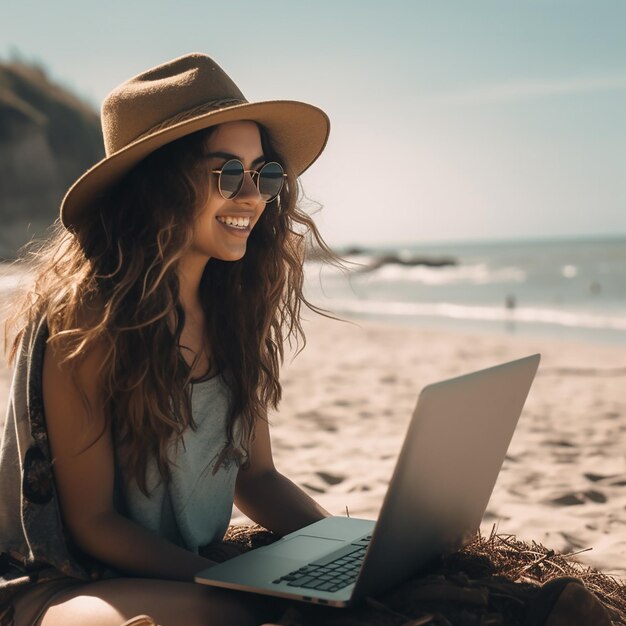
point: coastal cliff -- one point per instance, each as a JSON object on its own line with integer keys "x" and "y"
{"x": 48, "y": 138}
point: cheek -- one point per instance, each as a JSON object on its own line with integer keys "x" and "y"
{"x": 206, "y": 218}
{"x": 204, "y": 230}
{"x": 260, "y": 215}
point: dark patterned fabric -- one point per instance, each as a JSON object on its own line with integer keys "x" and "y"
{"x": 37, "y": 484}
{"x": 34, "y": 545}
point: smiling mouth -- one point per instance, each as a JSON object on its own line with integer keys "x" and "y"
{"x": 239, "y": 223}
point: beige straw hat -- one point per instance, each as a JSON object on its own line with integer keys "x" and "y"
{"x": 175, "y": 99}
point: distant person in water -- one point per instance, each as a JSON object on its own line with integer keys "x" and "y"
{"x": 147, "y": 357}
{"x": 510, "y": 302}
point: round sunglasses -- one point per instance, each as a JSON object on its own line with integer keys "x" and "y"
{"x": 269, "y": 179}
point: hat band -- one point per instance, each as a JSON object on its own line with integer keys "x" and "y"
{"x": 191, "y": 113}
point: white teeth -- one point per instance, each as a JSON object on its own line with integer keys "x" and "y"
{"x": 235, "y": 222}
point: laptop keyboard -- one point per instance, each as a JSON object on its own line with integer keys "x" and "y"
{"x": 332, "y": 572}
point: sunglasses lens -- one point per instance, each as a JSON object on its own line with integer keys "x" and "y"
{"x": 231, "y": 178}
{"x": 270, "y": 181}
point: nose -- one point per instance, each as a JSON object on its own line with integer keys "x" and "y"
{"x": 248, "y": 194}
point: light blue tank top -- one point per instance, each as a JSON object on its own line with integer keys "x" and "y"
{"x": 195, "y": 508}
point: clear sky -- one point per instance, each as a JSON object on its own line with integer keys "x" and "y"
{"x": 489, "y": 119}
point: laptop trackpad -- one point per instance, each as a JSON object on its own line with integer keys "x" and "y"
{"x": 305, "y": 547}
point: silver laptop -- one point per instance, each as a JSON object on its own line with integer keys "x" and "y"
{"x": 451, "y": 457}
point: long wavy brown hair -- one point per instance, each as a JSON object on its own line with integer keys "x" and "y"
{"x": 113, "y": 282}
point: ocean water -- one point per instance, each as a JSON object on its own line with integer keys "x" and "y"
{"x": 569, "y": 289}
{"x": 566, "y": 288}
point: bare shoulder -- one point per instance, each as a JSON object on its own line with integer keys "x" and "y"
{"x": 78, "y": 431}
{"x": 72, "y": 394}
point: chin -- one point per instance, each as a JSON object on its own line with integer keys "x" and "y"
{"x": 231, "y": 255}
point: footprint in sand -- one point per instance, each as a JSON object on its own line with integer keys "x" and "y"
{"x": 308, "y": 415}
{"x": 313, "y": 488}
{"x": 330, "y": 479}
{"x": 342, "y": 402}
{"x": 389, "y": 380}
{"x": 358, "y": 488}
{"x": 323, "y": 421}
{"x": 491, "y": 516}
{"x": 581, "y": 497}
{"x": 572, "y": 543}
{"x": 596, "y": 496}
{"x": 560, "y": 443}
{"x": 594, "y": 478}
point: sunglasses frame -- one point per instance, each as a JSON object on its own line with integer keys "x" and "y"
{"x": 252, "y": 175}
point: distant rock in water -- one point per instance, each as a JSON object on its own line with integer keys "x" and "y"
{"x": 375, "y": 261}
{"x": 48, "y": 138}
{"x": 394, "y": 259}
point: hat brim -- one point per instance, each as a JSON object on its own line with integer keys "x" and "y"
{"x": 299, "y": 132}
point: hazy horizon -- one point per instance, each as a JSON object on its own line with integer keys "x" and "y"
{"x": 444, "y": 243}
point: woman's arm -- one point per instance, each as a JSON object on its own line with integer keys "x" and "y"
{"x": 268, "y": 497}
{"x": 83, "y": 462}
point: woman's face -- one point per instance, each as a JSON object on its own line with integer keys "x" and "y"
{"x": 213, "y": 236}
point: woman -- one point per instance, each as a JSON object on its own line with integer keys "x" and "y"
{"x": 147, "y": 354}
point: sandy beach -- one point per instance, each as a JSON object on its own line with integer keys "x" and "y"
{"x": 349, "y": 395}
